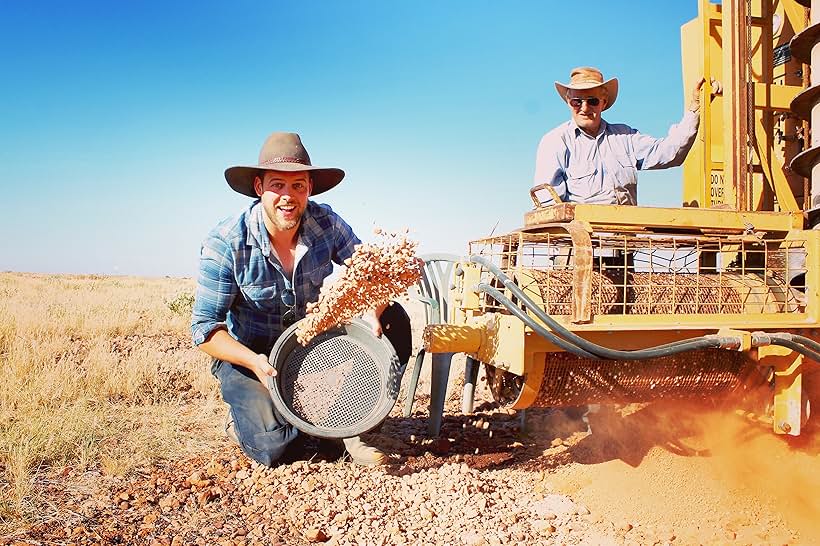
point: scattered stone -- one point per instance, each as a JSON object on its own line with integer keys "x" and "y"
{"x": 559, "y": 505}
{"x": 471, "y": 538}
{"x": 543, "y": 527}
{"x": 316, "y": 535}
{"x": 624, "y": 527}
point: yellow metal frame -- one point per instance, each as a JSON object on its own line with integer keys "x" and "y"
{"x": 603, "y": 217}
{"x": 723, "y": 169}
{"x": 788, "y": 387}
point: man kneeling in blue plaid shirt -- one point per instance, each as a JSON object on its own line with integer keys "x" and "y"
{"x": 257, "y": 272}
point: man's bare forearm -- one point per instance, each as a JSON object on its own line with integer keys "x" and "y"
{"x": 221, "y": 345}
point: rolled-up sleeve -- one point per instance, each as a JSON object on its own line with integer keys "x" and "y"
{"x": 550, "y": 167}
{"x": 670, "y": 151}
{"x": 215, "y": 291}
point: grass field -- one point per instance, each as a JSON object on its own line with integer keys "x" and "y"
{"x": 98, "y": 373}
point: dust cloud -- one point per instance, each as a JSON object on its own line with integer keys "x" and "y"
{"x": 708, "y": 472}
{"x": 783, "y": 469}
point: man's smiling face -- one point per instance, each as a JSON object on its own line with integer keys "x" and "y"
{"x": 284, "y": 197}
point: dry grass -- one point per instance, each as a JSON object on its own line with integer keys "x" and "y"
{"x": 98, "y": 373}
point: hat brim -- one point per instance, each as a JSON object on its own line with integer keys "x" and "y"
{"x": 241, "y": 177}
{"x": 610, "y": 85}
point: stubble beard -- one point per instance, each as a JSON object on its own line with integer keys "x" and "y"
{"x": 277, "y": 222}
{"x": 285, "y": 225}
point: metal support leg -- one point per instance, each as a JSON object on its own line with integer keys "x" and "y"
{"x": 788, "y": 403}
{"x": 438, "y": 391}
{"x": 470, "y": 378}
{"x": 788, "y": 387}
{"x": 413, "y": 385}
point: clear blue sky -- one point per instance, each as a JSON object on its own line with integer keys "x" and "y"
{"x": 117, "y": 119}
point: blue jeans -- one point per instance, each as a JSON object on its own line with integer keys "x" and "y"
{"x": 263, "y": 433}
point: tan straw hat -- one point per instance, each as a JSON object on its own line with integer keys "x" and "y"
{"x": 282, "y": 152}
{"x": 587, "y": 77}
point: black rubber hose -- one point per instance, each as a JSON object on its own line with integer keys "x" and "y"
{"x": 528, "y": 320}
{"x": 704, "y": 342}
{"x": 802, "y": 340}
{"x": 601, "y": 352}
{"x": 804, "y": 345}
{"x": 794, "y": 346}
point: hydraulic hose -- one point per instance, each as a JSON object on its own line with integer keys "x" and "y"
{"x": 800, "y": 344}
{"x": 526, "y": 319}
{"x": 797, "y": 347}
{"x": 803, "y": 340}
{"x": 704, "y": 342}
{"x": 599, "y": 351}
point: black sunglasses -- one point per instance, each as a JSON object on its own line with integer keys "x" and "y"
{"x": 592, "y": 101}
{"x": 289, "y": 301}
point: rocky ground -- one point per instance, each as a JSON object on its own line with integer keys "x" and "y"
{"x": 482, "y": 482}
{"x": 660, "y": 473}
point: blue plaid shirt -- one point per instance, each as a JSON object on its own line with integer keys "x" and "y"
{"x": 241, "y": 280}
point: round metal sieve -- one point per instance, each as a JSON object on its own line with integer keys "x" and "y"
{"x": 343, "y": 383}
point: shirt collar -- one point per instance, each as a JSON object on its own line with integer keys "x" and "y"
{"x": 577, "y": 131}
{"x": 308, "y": 230}
{"x": 257, "y": 234}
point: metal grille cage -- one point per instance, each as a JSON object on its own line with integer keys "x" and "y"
{"x": 343, "y": 383}
{"x": 653, "y": 273}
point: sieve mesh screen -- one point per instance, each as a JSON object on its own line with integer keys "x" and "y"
{"x": 334, "y": 382}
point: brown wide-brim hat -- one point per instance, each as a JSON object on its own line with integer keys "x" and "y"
{"x": 282, "y": 152}
{"x": 588, "y": 77}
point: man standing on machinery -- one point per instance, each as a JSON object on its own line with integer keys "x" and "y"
{"x": 588, "y": 160}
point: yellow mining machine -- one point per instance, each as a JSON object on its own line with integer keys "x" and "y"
{"x": 613, "y": 304}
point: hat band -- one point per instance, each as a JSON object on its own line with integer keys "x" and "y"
{"x": 285, "y": 159}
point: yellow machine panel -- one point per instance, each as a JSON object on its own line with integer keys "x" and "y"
{"x": 772, "y": 135}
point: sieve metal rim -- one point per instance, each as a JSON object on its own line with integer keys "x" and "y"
{"x": 384, "y": 356}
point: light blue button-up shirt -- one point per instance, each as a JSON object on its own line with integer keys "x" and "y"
{"x": 603, "y": 169}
